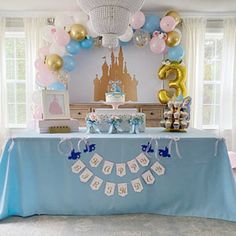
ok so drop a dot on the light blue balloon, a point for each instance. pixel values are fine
(69, 63)
(57, 86)
(73, 47)
(87, 43)
(152, 23)
(176, 53)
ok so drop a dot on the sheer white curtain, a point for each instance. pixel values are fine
(33, 28)
(193, 41)
(228, 84)
(3, 128)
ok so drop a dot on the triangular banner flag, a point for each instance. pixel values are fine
(120, 169)
(107, 167)
(158, 168)
(137, 185)
(86, 175)
(95, 160)
(133, 166)
(142, 159)
(148, 177)
(110, 188)
(96, 183)
(122, 189)
(78, 166)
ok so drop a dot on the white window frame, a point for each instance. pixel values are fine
(212, 34)
(12, 33)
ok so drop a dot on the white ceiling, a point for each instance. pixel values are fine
(155, 5)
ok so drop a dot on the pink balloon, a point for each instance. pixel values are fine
(44, 51)
(43, 79)
(157, 45)
(61, 37)
(39, 64)
(167, 23)
(36, 97)
(165, 51)
(137, 20)
(38, 114)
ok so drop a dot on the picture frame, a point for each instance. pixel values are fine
(55, 105)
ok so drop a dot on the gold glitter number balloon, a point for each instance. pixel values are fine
(178, 83)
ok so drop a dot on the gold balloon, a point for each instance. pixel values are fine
(175, 15)
(78, 32)
(173, 39)
(54, 62)
(178, 83)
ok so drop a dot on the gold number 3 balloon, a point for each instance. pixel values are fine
(178, 83)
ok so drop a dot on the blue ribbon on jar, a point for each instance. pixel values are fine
(135, 125)
(114, 126)
(92, 127)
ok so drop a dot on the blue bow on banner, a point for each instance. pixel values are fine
(147, 148)
(114, 126)
(89, 148)
(164, 152)
(74, 155)
(92, 127)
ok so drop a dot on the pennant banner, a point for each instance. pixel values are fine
(136, 184)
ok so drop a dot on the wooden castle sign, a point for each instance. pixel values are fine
(117, 70)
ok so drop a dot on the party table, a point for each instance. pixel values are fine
(180, 174)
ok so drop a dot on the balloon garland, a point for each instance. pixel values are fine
(68, 36)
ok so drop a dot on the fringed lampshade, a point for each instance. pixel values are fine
(110, 18)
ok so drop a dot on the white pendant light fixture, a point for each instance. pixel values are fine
(110, 18)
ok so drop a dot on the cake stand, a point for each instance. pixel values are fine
(115, 105)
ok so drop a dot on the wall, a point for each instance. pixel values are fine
(141, 62)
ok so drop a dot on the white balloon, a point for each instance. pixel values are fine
(63, 21)
(57, 49)
(90, 29)
(47, 33)
(81, 18)
(127, 36)
(179, 32)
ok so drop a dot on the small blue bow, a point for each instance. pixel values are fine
(147, 148)
(90, 148)
(74, 155)
(164, 152)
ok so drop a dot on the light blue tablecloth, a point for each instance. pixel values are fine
(35, 178)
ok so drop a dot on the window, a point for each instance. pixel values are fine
(15, 66)
(211, 82)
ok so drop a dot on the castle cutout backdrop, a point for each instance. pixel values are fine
(117, 70)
